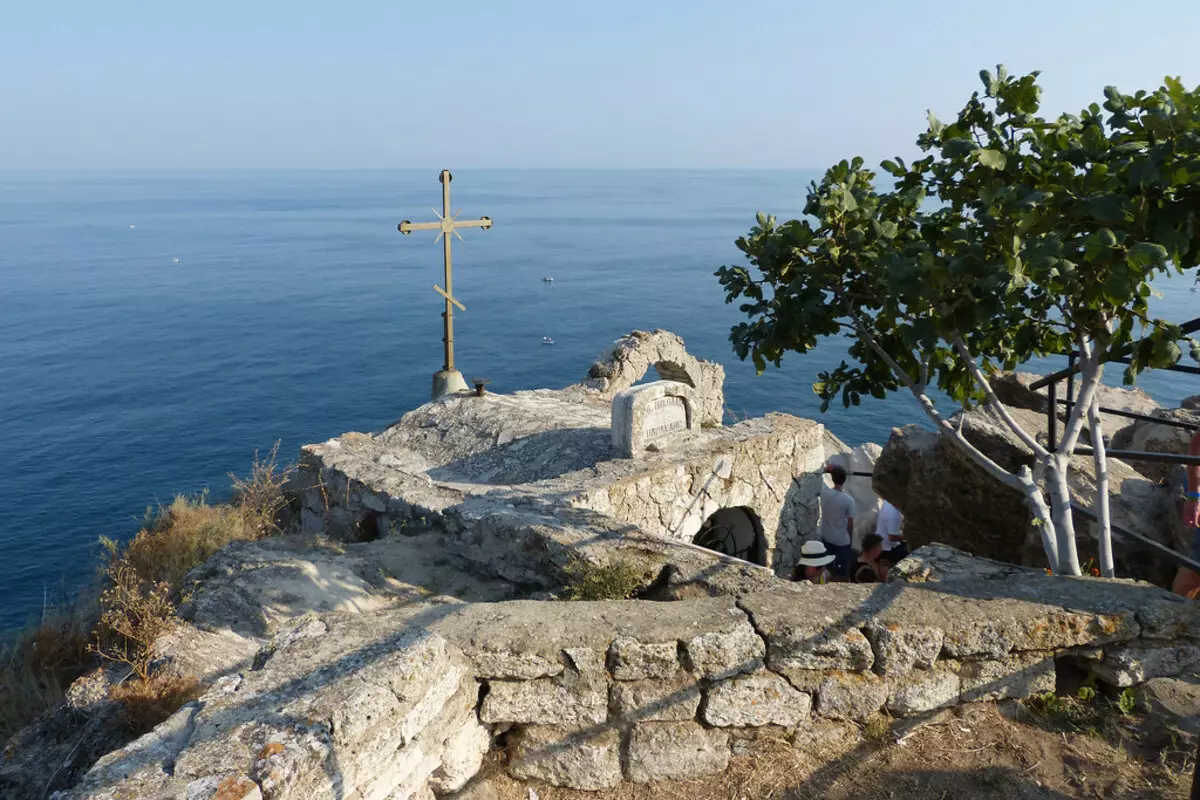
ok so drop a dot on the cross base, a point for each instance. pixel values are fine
(448, 381)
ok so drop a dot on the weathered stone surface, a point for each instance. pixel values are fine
(717, 655)
(651, 415)
(631, 660)
(851, 695)
(462, 757)
(920, 691)
(762, 698)
(569, 699)
(714, 633)
(827, 635)
(629, 358)
(1017, 676)
(578, 758)
(898, 649)
(1170, 707)
(372, 695)
(671, 699)
(939, 489)
(1013, 390)
(1156, 438)
(675, 751)
(1130, 665)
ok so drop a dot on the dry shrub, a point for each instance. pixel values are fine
(260, 495)
(145, 702)
(183, 535)
(133, 613)
(39, 663)
(618, 578)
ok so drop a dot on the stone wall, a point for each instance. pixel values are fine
(404, 703)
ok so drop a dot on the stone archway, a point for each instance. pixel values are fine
(736, 531)
(628, 360)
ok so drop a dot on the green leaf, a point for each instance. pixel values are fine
(1147, 254)
(991, 158)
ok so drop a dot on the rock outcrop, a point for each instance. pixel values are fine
(404, 702)
(946, 497)
(1151, 437)
(1013, 390)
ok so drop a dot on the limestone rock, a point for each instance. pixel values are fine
(673, 699)
(717, 655)
(940, 492)
(1170, 707)
(920, 691)
(898, 649)
(1017, 676)
(1155, 438)
(1013, 390)
(762, 698)
(585, 758)
(675, 751)
(853, 696)
(462, 757)
(1133, 664)
(629, 358)
(568, 699)
(630, 660)
(827, 636)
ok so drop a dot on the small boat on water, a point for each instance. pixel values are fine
(547, 340)
(547, 279)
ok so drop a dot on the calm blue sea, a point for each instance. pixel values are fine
(156, 329)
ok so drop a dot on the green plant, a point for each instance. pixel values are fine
(877, 728)
(617, 578)
(1127, 701)
(1043, 237)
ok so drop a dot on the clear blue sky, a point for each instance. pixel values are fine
(264, 84)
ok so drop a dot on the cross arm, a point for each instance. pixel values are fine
(407, 227)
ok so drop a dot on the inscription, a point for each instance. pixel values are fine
(664, 416)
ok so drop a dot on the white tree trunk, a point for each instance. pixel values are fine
(1102, 513)
(1042, 518)
(1064, 524)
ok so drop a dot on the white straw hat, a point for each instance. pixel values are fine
(814, 554)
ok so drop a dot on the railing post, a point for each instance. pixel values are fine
(1052, 412)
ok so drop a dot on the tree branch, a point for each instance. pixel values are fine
(994, 401)
(987, 464)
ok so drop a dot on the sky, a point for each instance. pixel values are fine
(259, 84)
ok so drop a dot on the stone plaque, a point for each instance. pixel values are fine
(650, 414)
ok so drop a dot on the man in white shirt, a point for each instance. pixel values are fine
(837, 521)
(889, 525)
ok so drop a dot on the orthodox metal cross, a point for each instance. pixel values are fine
(447, 224)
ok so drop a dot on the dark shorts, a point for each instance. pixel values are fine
(1195, 555)
(843, 559)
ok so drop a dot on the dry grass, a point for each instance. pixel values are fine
(39, 663)
(143, 582)
(147, 702)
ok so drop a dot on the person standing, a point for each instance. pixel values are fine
(889, 527)
(837, 521)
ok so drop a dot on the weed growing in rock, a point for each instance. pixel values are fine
(259, 495)
(145, 702)
(1085, 711)
(618, 578)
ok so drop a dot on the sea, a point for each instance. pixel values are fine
(158, 329)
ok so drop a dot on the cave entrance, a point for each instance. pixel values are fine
(735, 532)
